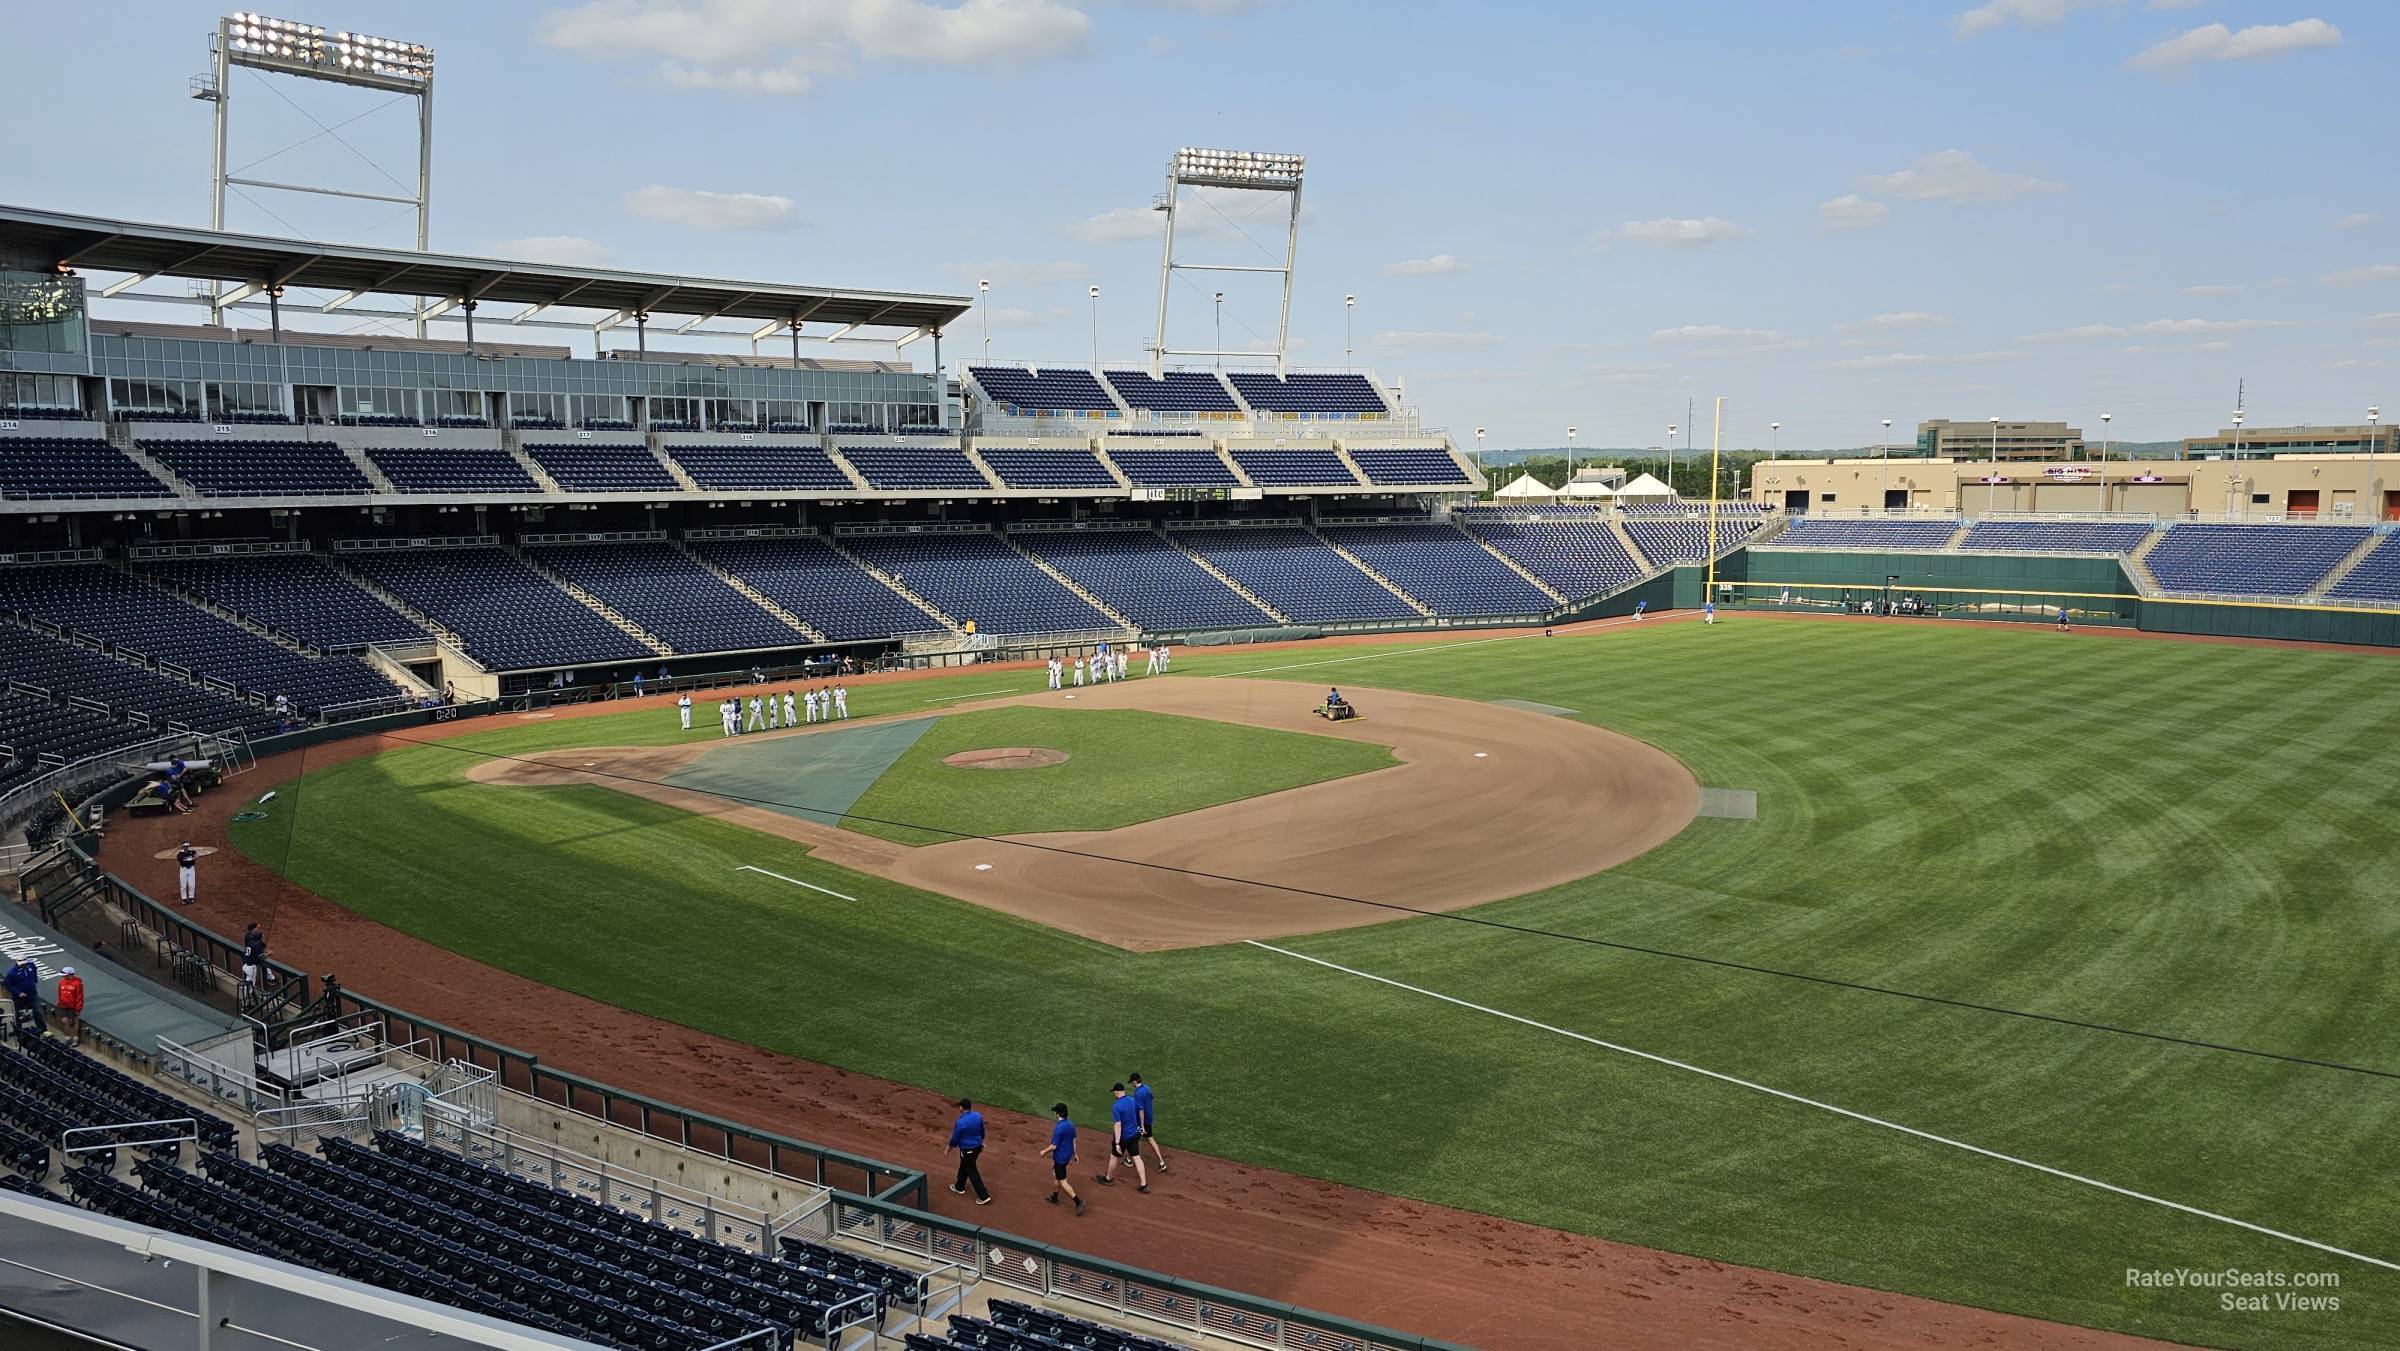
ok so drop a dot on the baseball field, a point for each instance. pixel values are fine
(2044, 964)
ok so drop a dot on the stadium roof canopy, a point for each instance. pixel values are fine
(29, 238)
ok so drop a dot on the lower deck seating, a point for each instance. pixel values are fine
(976, 576)
(2250, 560)
(1447, 570)
(1011, 1326)
(2377, 576)
(1668, 540)
(37, 734)
(811, 579)
(1141, 576)
(509, 616)
(303, 595)
(64, 669)
(1819, 532)
(1296, 572)
(2065, 537)
(1578, 558)
(670, 595)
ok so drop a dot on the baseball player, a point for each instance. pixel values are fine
(1079, 673)
(841, 702)
(1708, 613)
(1121, 661)
(187, 873)
(774, 712)
(791, 710)
(757, 720)
(1150, 667)
(683, 710)
(808, 702)
(1057, 677)
(1639, 607)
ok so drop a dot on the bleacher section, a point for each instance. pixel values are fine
(225, 468)
(1010, 1326)
(452, 469)
(915, 468)
(39, 468)
(1297, 573)
(600, 468)
(1023, 467)
(1026, 392)
(1144, 578)
(1295, 468)
(669, 595)
(743, 467)
(1312, 393)
(508, 616)
(2250, 560)
(110, 605)
(1449, 572)
(2377, 576)
(2060, 537)
(1667, 540)
(32, 727)
(1819, 532)
(1579, 558)
(806, 576)
(50, 1089)
(301, 595)
(974, 575)
(34, 659)
(1409, 467)
(1172, 392)
(1173, 468)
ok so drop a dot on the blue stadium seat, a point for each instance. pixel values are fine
(975, 576)
(220, 467)
(1447, 570)
(1172, 392)
(2377, 576)
(1027, 391)
(1409, 467)
(1823, 532)
(1296, 572)
(745, 466)
(2250, 560)
(1173, 468)
(302, 595)
(1144, 578)
(583, 466)
(1312, 393)
(1578, 557)
(452, 469)
(669, 595)
(47, 467)
(1020, 467)
(509, 616)
(2064, 537)
(919, 468)
(1295, 468)
(808, 577)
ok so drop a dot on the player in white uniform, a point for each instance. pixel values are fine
(725, 716)
(1121, 660)
(1057, 677)
(1150, 667)
(774, 710)
(791, 710)
(757, 720)
(1079, 673)
(841, 701)
(683, 710)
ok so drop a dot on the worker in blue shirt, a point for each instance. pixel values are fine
(1125, 1141)
(1061, 1150)
(1145, 1112)
(966, 1136)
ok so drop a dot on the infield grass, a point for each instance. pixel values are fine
(2192, 839)
(1123, 766)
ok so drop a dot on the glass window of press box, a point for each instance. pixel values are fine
(155, 396)
(731, 413)
(453, 403)
(869, 415)
(229, 397)
(38, 391)
(41, 312)
(378, 401)
(783, 412)
(674, 410)
(543, 407)
(590, 408)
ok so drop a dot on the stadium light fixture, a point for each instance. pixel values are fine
(1230, 170)
(1349, 307)
(2374, 436)
(1095, 328)
(2104, 421)
(1884, 452)
(1570, 454)
(983, 307)
(1991, 481)
(1775, 439)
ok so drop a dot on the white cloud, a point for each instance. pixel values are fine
(563, 250)
(2216, 42)
(2355, 276)
(1719, 334)
(1888, 360)
(699, 209)
(1633, 373)
(1439, 265)
(2031, 13)
(2212, 290)
(2386, 317)
(1895, 319)
(2217, 346)
(784, 46)
(2079, 333)
(1010, 272)
(1433, 338)
(1477, 375)
(1117, 225)
(2168, 327)
(1682, 232)
(1851, 212)
(2356, 220)
(1957, 177)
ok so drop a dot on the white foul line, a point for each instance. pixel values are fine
(746, 868)
(1412, 651)
(954, 698)
(1838, 1111)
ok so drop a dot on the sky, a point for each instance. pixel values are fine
(1550, 214)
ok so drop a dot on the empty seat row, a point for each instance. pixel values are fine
(2250, 560)
(1172, 391)
(976, 576)
(738, 467)
(1295, 468)
(64, 669)
(452, 469)
(601, 468)
(811, 579)
(303, 595)
(1444, 568)
(915, 468)
(1026, 390)
(2377, 576)
(1143, 577)
(670, 595)
(1173, 468)
(37, 468)
(1311, 393)
(1821, 532)
(1577, 558)
(217, 467)
(1296, 572)
(1409, 466)
(2073, 537)
(1024, 467)
(509, 616)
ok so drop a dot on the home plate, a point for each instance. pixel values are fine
(983, 867)
(1483, 755)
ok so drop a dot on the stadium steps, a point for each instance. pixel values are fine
(2349, 562)
(1069, 583)
(216, 611)
(592, 603)
(1958, 537)
(1359, 563)
(1342, 453)
(120, 435)
(957, 629)
(858, 482)
(1240, 475)
(752, 594)
(1513, 565)
(531, 466)
(1221, 575)
(423, 620)
(357, 456)
(2137, 566)
(683, 480)
(1616, 526)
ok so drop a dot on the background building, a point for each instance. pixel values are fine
(1943, 438)
(2266, 442)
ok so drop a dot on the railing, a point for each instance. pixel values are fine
(355, 709)
(711, 1217)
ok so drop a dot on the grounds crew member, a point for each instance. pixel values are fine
(1125, 1142)
(966, 1136)
(1061, 1150)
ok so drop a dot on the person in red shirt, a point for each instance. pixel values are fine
(70, 1006)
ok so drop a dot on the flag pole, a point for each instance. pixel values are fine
(1716, 441)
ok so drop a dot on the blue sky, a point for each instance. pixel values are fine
(1550, 213)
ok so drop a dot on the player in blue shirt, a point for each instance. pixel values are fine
(1061, 1150)
(966, 1136)
(1124, 1141)
(1145, 1111)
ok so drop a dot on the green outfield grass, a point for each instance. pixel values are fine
(1122, 766)
(2197, 840)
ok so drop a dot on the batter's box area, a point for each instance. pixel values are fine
(1731, 804)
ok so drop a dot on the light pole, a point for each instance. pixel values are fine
(1991, 480)
(1570, 454)
(1095, 328)
(2374, 438)
(1775, 440)
(2237, 459)
(1220, 330)
(2104, 421)
(1349, 305)
(983, 306)
(1884, 453)
(1670, 457)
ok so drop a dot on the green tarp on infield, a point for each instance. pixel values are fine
(815, 777)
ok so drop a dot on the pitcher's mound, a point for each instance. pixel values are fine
(1007, 757)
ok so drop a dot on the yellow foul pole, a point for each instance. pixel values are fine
(1716, 443)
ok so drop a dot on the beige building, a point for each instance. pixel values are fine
(1941, 439)
(2266, 442)
(2305, 486)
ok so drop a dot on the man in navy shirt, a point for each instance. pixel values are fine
(967, 1138)
(24, 983)
(1125, 1141)
(1061, 1150)
(1145, 1112)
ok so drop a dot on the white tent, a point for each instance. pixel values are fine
(1647, 488)
(1526, 487)
(1588, 487)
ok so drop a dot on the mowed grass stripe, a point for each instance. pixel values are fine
(1939, 808)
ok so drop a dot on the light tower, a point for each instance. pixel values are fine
(1231, 171)
(285, 47)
